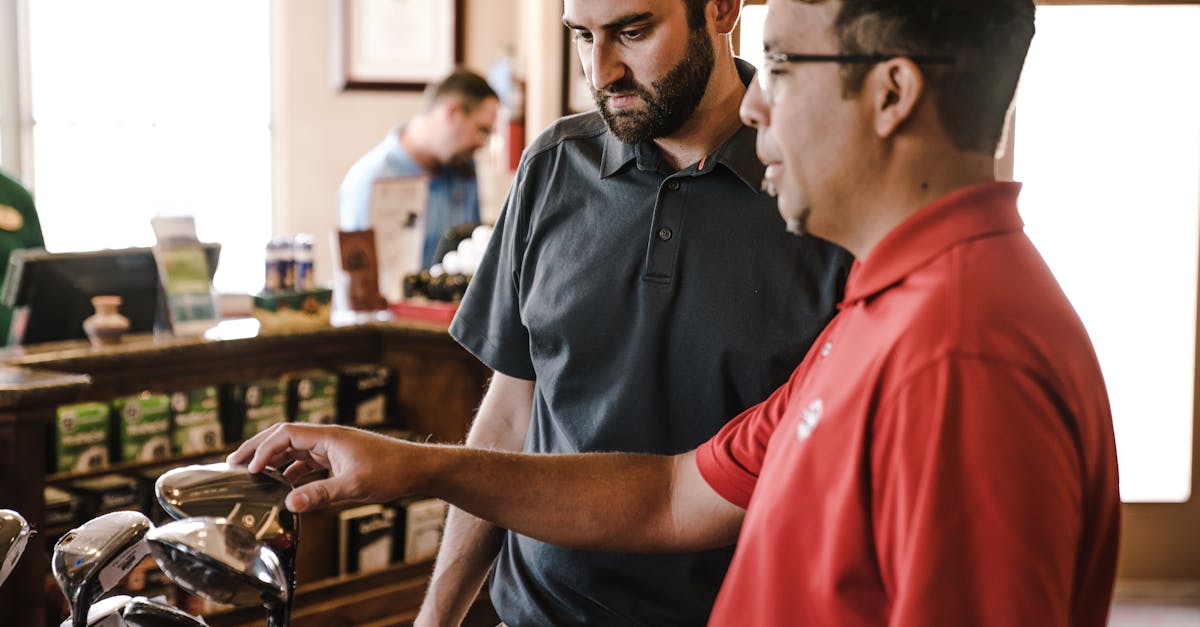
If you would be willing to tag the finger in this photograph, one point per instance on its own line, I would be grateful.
(300, 469)
(245, 451)
(317, 494)
(284, 442)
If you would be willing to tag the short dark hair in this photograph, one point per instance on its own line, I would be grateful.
(468, 87)
(988, 40)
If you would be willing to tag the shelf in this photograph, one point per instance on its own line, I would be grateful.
(440, 386)
(58, 479)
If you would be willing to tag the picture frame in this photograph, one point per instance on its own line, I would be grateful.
(395, 44)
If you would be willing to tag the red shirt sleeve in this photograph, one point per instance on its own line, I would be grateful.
(961, 537)
(731, 459)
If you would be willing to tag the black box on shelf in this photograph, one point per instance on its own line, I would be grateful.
(141, 427)
(147, 499)
(248, 408)
(365, 395)
(312, 396)
(62, 508)
(105, 493)
(365, 538)
(80, 438)
(419, 524)
(196, 420)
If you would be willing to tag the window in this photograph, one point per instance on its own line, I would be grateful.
(144, 108)
(1107, 144)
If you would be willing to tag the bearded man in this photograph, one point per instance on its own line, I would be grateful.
(639, 273)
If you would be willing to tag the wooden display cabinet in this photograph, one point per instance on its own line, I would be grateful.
(440, 386)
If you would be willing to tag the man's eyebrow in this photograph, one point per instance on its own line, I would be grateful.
(619, 23)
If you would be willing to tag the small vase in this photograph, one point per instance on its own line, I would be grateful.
(107, 325)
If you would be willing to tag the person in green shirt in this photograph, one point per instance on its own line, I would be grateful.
(19, 228)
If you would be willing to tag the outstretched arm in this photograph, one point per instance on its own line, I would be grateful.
(597, 501)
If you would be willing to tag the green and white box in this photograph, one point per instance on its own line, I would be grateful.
(312, 397)
(196, 420)
(81, 437)
(266, 404)
(143, 427)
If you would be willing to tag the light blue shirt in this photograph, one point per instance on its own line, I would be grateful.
(453, 192)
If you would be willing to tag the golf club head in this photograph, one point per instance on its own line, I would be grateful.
(219, 560)
(104, 613)
(252, 500)
(144, 612)
(93, 557)
(14, 534)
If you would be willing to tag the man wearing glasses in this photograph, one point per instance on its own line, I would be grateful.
(944, 454)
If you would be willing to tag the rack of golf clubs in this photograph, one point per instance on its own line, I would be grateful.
(231, 541)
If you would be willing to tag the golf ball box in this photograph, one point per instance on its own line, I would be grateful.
(366, 538)
(62, 508)
(143, 427)
(106, 493)
(81, 438)
(249, 408)
(419, 524)
(313, 396)
(196, 420)
(364, 395)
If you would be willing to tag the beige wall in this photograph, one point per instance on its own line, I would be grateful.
(319, 130)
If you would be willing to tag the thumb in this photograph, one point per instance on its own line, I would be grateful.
(314, 495)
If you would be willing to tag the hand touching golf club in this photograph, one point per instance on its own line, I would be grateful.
(365, 467)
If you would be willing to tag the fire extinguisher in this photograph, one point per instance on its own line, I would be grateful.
(506, 80)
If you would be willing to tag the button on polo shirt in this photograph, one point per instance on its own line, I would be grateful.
(948, 461)
(637, 343)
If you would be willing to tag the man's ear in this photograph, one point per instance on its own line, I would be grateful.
(897, 88)
(725, 16)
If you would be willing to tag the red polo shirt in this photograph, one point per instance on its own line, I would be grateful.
(943, 456)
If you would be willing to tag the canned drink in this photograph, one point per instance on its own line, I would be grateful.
(273, 281)
(303, 252)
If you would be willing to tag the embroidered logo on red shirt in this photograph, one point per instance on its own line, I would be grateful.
(809, 417)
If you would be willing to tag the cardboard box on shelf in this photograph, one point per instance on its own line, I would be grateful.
(290, 310)
(81, 438)
(143, 427)
(98, 495)
(365, 393)
(248, 408)
(366, 538)
(196, 420)
(312, 396)
(419, 524)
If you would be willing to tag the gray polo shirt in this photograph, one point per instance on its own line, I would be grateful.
(651, 307)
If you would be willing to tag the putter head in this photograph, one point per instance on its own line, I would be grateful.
(219, 560)
(104, 613)
(14, 534)
(252, 500)
(93, 557)
(144, 612)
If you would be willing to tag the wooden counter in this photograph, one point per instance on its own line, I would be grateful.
(440, 386)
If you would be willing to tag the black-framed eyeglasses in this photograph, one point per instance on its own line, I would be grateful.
(764, 76)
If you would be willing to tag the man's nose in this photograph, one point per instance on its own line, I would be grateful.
(754, 109)
(608, 66)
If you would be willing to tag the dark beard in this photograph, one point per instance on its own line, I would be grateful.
(679, 93)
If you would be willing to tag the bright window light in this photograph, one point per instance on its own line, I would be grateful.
(145, 108)
(750, 33)
(1107, 143)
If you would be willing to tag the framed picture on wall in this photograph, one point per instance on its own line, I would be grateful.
(395, 44)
